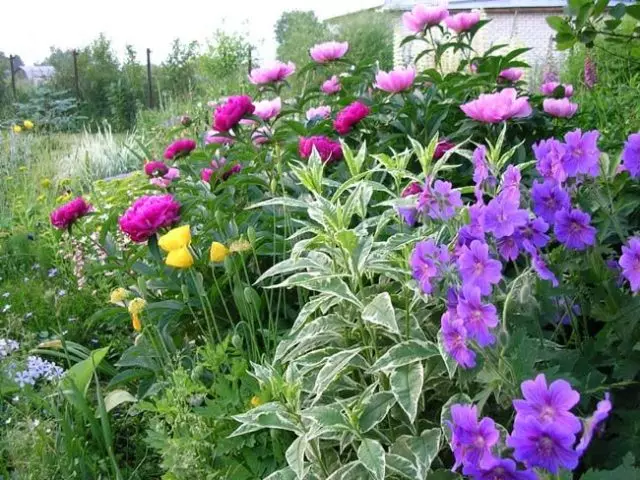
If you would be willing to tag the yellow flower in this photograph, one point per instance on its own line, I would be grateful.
(64, 198)
(41, 197)
(177, 238)
(255, 401)
(118, 296)
(180, 258)
(135, 308)
(28, 124)
(45, 183)
(17, 129)
(218, 252)
(241, 245)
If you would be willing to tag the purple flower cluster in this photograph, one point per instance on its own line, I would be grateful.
(578, 155)
(428, 262)
(7, 347)
(439, 201)
(630, 263)
(37, 369)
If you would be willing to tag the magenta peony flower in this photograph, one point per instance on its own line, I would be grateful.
(397, 80)
(561, 108)
(271, 73)
(349, 116)
(422, 16)
(237, 168)
(331, 86)
(511, 74)
(66, 215)
(443, 147)
(147, 215)
(497, 107)
(318, 112)
(155, 168)
(179, 148)
(213, 137)
(267, 109)
(205, 174)
(328, 51)
(329, 150)
(229, 114)
(548, 88)
(461, 22)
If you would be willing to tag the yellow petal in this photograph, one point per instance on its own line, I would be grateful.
(175, 239)
(118, 296)
(180, 258)
(135, 320)
(28, 124)
(218, 252)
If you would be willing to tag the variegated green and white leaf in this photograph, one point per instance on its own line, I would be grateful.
(404, 353)
(283, 474)
(295, 456)
(406, 385)
(334, 365)
(419, 451)
(380, 312)
(269, 415)
(330, 284)
(351, 471)
(371, 455)
(401, 466)
(375, 409)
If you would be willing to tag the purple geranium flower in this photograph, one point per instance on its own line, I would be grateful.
(549, 155)
(480, 165)
(503, 216)
(477, 317)
(541, 268)
(630, 262)
(508, 248)
(533, 235)
(500, 469)
(550, 404)
(455, 339)
(477, 268)
(582, 155)
(592, 424)
(510, 187)
(573, 229)
(427, 260)
(409, 214)
(549, 198)
(631, 155)
(439, 201)
(471, 439)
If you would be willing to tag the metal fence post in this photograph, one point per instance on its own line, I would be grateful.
(149, 78)
(13, 76)
(75, 73)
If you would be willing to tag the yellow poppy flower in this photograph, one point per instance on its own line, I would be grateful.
(218, 252)
(177, 238)
(118, 296)
(28, 124)
(180, 258)
(17, 129)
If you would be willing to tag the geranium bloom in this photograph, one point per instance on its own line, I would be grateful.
(461, 22)
(471, 440)
(548, 88)
(548, 199)
(497, 107)
(477, 268)
(229, 114)
(543, 445)
(331, 86)
(271, 73)
(559, 107)
(317, 113)
(502, 217)
(439, 201)
(409, 214)
(155, 169)
(630, 263)
(179, 148)
(422, 16)
(476, 316)
(512, 74)
(541, 268)
(499, 469)
(441, 148)
(147, 215)
(550, 159)
(508, 248)
(328, 51)
(480, 165)
(510, 185)
(573, 229)
(548, 404)
(533, 235)
(329, 150)
(427, 261)
(455, 340)
(592, 424)
(397, 80)
(66, 215)
(631, 155)
(582, 154)
(267, 109)
(349, 116)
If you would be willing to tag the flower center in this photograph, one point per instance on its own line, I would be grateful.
(545, 446)
(479, 268)
(479, 441)
(575, 227)
(547, 414)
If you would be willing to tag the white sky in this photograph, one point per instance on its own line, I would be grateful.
(28, 28)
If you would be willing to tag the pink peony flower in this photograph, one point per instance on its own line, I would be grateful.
(155, 168)
(205, 174)
(461, 22)
(329, 150)
(328, 51)
(147, 215)
(179, 148)
(443, 147)
(511, 74)
(237, 168)
(331, 86)
(548, 88)
(218, 163)
(261, 135)
(497, 107)
(397, 80)
(267, 109)
(271, 73)
(319, 112)
(229, 114)
(66, 215)
(160, 182)
(422, 16)
(561, 108)
(213, 137)
(349, 116)
(172, 174)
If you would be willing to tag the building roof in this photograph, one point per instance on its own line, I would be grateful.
(485, 4)
(37, 72)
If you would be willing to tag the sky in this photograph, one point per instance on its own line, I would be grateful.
(37, 25)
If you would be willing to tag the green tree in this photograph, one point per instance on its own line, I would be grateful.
(224, 65)
(178, 71)
(296, 32)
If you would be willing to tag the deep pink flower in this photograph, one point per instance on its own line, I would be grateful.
(179, 148)
(214, 137)
(328, 51)
(205, 174)
(267, 109)
(511, 74)
(559, 107)
(329, 150)
(271, 73)
(155, 168)
(422, 16)
(147, 215)
(349, 116)
(229, 114)
(331, 86)
(497, 107)
(548, 88)
(397, 80)
(461, 22)
(318, 112)
(236, 168)
(443, 147)
(66, 215)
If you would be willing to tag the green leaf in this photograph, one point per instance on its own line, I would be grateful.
(333, 366)
(420, 451)
(117, 397)
(268, 415)
(625, 471)
(406, 386)
(371, 455)
(295, 456)
(618, 11)
(375, 409)
(558, 24)
(284, 474)
(80, 374)
(633, 11)
(405, 353)
(351, 471)
(380, 312)
(401, 466)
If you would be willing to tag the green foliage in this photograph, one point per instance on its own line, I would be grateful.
(296, 32)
